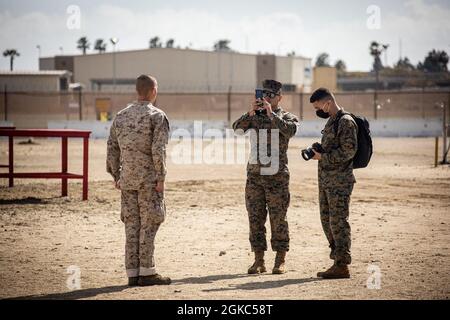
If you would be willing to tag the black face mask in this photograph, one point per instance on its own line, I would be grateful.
(322, 114)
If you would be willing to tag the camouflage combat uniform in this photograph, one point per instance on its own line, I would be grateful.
(136, 158)
(268, 193)
(336, 181)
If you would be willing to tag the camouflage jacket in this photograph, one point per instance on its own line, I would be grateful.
(137, 146)
(285, 122)
(336, 165)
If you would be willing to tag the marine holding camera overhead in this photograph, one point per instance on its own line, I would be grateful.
(268, 193)
(336, 179)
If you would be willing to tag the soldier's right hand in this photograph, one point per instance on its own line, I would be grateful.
(254, 106)
(117, 184)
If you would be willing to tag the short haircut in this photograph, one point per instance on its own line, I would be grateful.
(321, 94)
(145, 84)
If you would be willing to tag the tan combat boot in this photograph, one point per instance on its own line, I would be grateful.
(335, 272)
(258, 266)
(280, 260)
(153, 280)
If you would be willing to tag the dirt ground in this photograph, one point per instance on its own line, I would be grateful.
(399, 216)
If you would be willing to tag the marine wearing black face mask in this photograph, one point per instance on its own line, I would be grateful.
(322, 114)
(335, 179)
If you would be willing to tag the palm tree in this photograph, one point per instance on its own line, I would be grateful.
(323, 60)
(83, 44)
(11, 53)
(222, 45)
(100, 46)
(155, 43)
(376, 50)
(340, 66)
(170, 43)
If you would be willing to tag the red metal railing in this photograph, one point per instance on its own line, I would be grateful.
(63, 175)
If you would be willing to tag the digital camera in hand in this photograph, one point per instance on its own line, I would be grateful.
(308, 153)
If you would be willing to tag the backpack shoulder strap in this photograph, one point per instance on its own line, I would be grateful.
(338, 118)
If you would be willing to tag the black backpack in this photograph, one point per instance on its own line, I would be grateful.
(365, 147)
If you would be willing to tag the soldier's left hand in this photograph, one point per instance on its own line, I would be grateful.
(317, 155)
(117, 184)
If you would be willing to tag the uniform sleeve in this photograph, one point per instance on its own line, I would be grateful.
(348, 143)
(243, 123)
(113, 154)
(287, 124)
(160, 140)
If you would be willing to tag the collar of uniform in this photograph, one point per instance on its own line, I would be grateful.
(278, 109)
(143, 102)
(333, 118)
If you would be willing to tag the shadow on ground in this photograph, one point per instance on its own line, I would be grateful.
(74, 295)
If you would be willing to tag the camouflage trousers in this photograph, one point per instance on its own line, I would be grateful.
(334, 214)
(142, 212)
(268, 194)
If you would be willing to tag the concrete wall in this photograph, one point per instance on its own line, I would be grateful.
(312, 128)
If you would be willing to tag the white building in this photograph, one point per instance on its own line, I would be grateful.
(184, 70)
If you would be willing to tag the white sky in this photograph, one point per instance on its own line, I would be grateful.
(307, 27)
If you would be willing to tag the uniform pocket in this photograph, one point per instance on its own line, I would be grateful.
(152, 206)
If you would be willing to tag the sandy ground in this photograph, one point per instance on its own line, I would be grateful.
(399, 216)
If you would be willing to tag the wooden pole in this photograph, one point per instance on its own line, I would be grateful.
(229, 106)
(301, 106)
(444, 134)
(436, 151)
(6, 102)
(80, 107)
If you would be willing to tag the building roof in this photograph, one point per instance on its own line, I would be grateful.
(59, 73)
(177, 49)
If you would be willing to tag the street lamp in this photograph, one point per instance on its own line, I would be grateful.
(114, 41)
(39, 50)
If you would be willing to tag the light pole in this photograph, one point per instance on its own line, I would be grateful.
(39, 50)
(114, 41)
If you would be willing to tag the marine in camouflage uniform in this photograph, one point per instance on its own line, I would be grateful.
(136, 158)
(336, 180)
(268, 194)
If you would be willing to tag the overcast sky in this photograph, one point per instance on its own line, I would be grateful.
(339, 28)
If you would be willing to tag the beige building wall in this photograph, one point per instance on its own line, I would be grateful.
(325, 77)
(177, 70)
